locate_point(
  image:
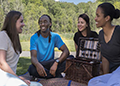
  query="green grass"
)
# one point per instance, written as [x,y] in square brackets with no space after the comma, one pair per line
[70,45]
[25,37]
[67,36]
[25,46]
[23,65]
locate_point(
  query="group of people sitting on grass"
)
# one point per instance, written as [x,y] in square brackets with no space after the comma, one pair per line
[43,42]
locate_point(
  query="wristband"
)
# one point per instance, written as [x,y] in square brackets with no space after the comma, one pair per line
[57,61]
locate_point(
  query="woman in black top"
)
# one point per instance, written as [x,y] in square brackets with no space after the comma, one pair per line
[84,29]
[109,38]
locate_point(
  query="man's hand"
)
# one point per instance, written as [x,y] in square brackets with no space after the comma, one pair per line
[53,69]
[40,70]
[39,67]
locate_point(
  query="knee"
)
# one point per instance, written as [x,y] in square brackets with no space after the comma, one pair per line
[31,69]
[91,82]
[70,56]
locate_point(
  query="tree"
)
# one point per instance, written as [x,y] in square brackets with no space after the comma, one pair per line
[32,13]
[111,1]
[1,17]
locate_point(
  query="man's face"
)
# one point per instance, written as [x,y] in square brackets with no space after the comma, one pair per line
[44,24]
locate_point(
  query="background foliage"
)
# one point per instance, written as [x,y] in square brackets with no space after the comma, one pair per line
[64,15]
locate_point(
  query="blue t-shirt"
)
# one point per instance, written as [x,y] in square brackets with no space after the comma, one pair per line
[45,50]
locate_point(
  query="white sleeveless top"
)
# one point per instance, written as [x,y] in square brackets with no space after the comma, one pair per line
[6,44]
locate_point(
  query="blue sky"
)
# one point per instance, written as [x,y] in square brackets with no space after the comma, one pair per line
[75,1]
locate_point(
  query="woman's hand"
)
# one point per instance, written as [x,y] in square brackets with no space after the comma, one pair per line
[25,80]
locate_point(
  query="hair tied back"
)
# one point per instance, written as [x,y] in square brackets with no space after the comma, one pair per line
[117,13]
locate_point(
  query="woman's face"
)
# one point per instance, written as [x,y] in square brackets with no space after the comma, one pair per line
[44,24]
[100,19]
[20,24]
[81,24]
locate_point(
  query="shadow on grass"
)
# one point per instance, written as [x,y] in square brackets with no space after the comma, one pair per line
[23,65]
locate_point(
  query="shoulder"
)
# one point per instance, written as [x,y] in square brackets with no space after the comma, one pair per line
[54,35]
[4,38]
[77,34]
[100,32]
[34,37]
[117,27]
[3,34]
[94,34]
[117,30]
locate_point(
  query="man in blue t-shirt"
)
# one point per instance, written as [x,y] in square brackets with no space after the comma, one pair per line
[42,45]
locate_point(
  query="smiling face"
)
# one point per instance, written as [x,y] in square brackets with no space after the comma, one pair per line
[82,24]
[20,24]
[44,24]
[100,19]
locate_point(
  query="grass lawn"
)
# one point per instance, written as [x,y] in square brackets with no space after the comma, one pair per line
[25,46]
[70,45]
[23,65]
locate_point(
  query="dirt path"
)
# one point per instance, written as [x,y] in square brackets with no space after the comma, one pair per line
[57,54]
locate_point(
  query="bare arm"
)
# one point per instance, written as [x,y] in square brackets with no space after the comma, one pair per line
[63,56]
[34,57]
[3,64]
[39,67]
[65,53]
[5,67]
[76,47]
[105,65]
